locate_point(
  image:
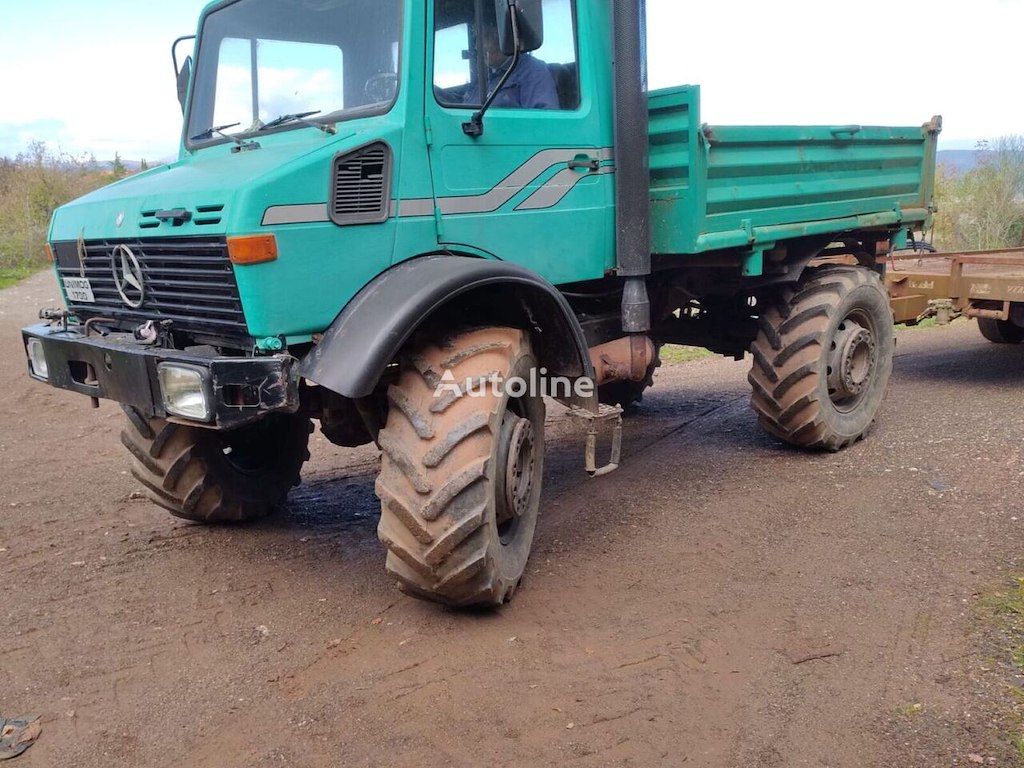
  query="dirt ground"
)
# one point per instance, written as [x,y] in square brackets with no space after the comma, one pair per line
[719,601]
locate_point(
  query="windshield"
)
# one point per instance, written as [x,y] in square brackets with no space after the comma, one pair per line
[261,61]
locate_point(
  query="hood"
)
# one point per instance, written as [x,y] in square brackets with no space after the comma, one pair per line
[220,190]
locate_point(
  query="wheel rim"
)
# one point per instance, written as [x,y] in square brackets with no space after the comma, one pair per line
[853,359]
[515,470]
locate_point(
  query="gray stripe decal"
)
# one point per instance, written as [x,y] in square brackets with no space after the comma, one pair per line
[423,207]
[562,184]
[295,214]
[510,186]
[549,194]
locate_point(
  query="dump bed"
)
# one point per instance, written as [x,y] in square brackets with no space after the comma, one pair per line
[715,187]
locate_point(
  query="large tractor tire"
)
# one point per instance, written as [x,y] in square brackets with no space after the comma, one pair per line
[211,476]
[461,471]
[1000,331]
[823,357]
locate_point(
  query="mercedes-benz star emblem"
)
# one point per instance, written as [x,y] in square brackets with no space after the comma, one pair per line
[127,276]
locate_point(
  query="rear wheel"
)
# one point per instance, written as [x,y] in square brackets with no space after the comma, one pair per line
[823,357]
[212,476]
[461,469]
[1000,331]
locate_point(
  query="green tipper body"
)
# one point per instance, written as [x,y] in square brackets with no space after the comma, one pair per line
[510,194]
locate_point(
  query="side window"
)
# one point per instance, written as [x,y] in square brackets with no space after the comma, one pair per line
[468,64]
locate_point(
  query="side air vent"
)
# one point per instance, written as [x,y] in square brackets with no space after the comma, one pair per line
[361,186]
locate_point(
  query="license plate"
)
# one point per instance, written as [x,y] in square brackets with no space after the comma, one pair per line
[79,289]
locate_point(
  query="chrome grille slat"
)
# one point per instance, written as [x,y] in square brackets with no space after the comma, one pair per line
[189,281]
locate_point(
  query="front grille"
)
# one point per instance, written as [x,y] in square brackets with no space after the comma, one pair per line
[189,281]
[361,186]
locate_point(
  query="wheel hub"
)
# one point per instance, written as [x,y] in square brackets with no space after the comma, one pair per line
[852,361]
[519,469]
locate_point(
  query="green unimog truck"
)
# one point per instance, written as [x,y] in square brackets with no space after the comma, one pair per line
[379,203]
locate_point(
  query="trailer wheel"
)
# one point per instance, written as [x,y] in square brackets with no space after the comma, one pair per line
[630,393]
[823,357]
[1000,331]
[461,470]
[217,477]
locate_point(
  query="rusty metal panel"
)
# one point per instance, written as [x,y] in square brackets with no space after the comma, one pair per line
[966,279]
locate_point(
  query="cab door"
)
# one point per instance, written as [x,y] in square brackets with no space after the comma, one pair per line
[536,187]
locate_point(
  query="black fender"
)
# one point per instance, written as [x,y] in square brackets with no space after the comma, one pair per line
[372,329]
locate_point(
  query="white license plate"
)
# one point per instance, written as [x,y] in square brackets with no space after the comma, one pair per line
[79,289]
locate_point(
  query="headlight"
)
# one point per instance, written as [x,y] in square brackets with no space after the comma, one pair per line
[37,359]
[185,390]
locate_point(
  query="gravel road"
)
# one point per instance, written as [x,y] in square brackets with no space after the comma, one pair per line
[719,601]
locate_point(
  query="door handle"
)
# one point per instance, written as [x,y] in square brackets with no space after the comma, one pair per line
[584,163]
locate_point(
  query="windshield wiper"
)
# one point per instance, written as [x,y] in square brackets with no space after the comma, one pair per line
[218,129]
[299,117]
[241,146]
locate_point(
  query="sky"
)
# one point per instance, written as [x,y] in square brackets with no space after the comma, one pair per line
[96,77]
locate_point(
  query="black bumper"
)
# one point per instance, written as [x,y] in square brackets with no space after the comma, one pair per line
[117,367]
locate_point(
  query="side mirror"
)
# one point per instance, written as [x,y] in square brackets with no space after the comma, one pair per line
[529,20]
[182,73]
[183,77]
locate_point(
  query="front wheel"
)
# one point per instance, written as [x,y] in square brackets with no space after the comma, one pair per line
[1000,331]
[461,468]
[211,476]
[823,357]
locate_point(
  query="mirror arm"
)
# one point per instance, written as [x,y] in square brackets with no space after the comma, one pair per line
[174,52]
[475,127]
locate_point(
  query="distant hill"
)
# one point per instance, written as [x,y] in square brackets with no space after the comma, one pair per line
[960,160]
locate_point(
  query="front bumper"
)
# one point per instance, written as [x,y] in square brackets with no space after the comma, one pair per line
[117,367]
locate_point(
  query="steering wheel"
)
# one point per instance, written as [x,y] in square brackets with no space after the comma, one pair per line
[381,87]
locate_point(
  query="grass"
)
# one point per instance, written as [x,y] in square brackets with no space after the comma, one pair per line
[11,275]
[675,353]
[1003,611]
[1018,743]
[911,710]
[928,322]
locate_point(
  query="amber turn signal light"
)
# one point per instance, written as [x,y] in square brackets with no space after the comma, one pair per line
[252,249]
[49,252]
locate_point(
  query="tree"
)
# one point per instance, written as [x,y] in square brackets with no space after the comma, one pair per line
[983,208]
[117,167]
[32,185]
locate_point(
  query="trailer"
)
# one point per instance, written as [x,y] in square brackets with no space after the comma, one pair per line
[411,221]
[984,285]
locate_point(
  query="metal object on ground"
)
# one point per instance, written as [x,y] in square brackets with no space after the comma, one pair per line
[18,734]
[608,414]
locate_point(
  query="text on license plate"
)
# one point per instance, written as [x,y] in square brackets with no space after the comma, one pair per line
[79,289]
